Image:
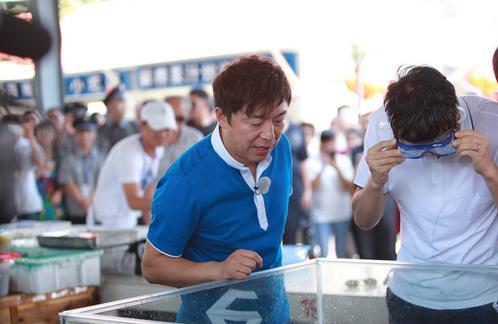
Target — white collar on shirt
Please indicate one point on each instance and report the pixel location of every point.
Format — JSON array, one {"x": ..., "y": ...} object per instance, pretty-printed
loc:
[{"x": 246, "y": 174}]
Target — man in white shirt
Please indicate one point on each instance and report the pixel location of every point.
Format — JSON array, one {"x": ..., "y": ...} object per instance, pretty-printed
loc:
[
  {"x": 125, "y": 185},
  {"x": 29, "y": 156},
  {"x": 437, "y": 156},
  {"x": 331, "y": 176}
]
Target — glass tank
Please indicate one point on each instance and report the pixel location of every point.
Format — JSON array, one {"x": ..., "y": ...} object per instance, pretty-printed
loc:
[{"x": 316, "y": 291}]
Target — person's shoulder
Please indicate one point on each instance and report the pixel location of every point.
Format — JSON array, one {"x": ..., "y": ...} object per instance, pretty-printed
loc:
[
  {"x": 479, "y": 104},
  {"x": 379, "y": 114},
  {"x": 192, "y": 133},
  {"x": 196, "y": 159},
  {"x": 130, "y": 141},
  {"x": 379, "y": 126},
  {"x": 128, "y": 146},
  {"x": 284, "y": 142},
  {"x": 282, "y": 149}
]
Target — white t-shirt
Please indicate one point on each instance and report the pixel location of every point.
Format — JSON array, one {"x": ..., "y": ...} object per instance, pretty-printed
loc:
[
  {"x": 330, "y": 202},
  {"x": 188, "y": 137},
  {"x": 127, "y": 162},
  {"x": 28, "y": 199},
  {"x": 447, "y": 215}
]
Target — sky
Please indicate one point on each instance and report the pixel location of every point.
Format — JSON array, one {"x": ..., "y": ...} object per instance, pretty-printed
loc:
[{"x": 460, "y": 33}]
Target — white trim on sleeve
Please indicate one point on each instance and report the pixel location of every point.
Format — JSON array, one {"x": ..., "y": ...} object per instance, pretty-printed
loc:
[{"x": 162, "y": 252}]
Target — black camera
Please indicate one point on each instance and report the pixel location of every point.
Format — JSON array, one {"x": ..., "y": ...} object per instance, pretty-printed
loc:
[{"x": 332, "y": 154}]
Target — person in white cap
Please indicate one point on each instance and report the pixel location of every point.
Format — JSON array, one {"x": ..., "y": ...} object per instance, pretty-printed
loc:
[{"x": 125, "y": 185}]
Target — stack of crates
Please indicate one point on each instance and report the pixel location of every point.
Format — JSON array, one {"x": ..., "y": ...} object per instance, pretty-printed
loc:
[{"x": 41, "y": 270}]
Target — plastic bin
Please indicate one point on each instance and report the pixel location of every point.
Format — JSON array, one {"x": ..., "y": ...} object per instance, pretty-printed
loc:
[
  {"x": 6, "y": 262},
  {"x": 41, "y": 270}
]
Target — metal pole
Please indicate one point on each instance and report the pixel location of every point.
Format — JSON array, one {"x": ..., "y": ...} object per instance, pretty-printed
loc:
[{"x": 48, "y": 79}]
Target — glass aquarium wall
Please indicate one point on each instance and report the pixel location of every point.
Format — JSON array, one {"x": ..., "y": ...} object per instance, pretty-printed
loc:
[{"x": 317, "y": 291}]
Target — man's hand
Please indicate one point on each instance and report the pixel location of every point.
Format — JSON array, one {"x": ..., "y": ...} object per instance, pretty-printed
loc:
[
  {"x": 381, "y": 158},
  {"x": 85, "y": 204},
  {"x": 306, "y": 199},
  {"x": 240, "y": 264},
  {"x": 475, "y": 145}
]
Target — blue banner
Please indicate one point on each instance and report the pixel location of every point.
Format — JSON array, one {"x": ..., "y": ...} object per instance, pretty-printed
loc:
[{"x": 191, "y": 73}]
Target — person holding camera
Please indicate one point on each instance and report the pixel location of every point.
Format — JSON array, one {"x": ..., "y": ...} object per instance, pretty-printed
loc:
[{"x": 331, "y": 176}]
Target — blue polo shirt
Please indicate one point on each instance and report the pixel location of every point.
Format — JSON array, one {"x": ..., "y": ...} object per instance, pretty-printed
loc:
[{"x": 204, "y": 209}]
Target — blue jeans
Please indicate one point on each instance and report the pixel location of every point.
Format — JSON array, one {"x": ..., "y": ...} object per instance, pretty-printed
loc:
[
  {"x": 403, "y": 312},
  {"x": 322, "y": 233}
]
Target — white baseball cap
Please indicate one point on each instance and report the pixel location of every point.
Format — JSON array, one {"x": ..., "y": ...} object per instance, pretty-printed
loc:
[{"x": 158, "y": 115}]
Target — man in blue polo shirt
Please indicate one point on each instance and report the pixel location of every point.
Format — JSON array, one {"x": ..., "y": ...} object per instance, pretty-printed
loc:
[{"x": 220, "y": 210}]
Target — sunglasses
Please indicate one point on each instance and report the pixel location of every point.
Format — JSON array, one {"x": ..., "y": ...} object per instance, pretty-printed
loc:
[{"x": 439, "y": 147}]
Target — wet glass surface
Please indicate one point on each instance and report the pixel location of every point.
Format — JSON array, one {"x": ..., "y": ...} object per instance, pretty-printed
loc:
[{"x": 320, "y": 291}]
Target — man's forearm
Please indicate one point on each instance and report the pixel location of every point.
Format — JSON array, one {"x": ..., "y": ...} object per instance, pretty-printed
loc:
[
  {"x": 139, "y": 203},
  {"x": 368, "y": 205},
  {"x": 177, "y": 272},
  {"x": 136, "y": 199},
  {"x": 75, "y": 193}
]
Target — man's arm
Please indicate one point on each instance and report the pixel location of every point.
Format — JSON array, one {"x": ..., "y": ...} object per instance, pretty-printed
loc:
[
  {"x": 306, "y": 198},
  {"x": 73, "y": 190},
  {"x": 180, "y": 272},
  {"x": 135, "y": 200},
  {"x": 368, "y": 205},
  {"x": 37, "y": 154},
  {"x": 369, "y": 202}
]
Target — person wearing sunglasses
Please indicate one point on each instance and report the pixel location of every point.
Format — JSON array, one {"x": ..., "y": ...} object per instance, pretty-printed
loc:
[{"x": 437, "y": 155}]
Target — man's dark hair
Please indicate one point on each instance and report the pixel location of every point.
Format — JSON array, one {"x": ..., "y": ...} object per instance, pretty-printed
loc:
[
  {"x": 326, "y": 136},
  {"x": 495, "y": 64},
  {"x": 250, "y": 83},
  {"x": 199, "y": 93},
  {"x": 44, "y": 125},
  {"x": 84, "y": 124},
  {"x": 421, "y": 105},
  {"x": 11, "y": 119},
  {"x": 116, "y": 93},
  {"x": 77, "y": 109}
]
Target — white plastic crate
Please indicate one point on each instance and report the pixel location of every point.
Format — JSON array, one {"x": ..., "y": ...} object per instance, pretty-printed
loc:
[{"x": 43, "y": 270}]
